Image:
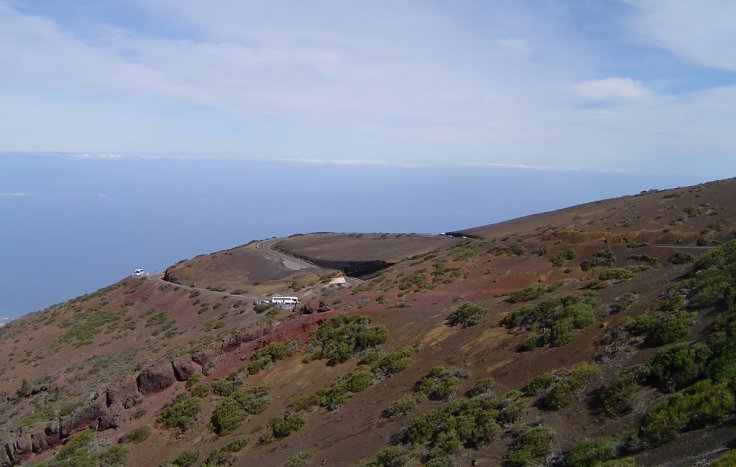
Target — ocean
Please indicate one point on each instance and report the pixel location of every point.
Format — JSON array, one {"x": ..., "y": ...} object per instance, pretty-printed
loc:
[{"x": 70, "y": 225}]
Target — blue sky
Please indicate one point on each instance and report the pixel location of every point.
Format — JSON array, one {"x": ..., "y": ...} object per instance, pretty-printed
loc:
[{"x": 632, "y": 86}]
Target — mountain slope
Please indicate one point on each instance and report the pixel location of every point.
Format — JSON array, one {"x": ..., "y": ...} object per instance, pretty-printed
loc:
[{"x": 548, "y": 329}]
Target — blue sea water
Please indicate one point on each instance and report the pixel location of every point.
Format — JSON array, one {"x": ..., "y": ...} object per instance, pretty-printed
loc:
[{"x": 71, "y": 225}]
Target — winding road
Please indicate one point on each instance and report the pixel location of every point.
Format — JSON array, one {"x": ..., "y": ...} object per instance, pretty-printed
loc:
[{"x": 292, "y": 262}]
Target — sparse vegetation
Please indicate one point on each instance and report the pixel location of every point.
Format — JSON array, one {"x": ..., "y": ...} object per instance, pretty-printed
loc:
[
  {"x": 559, "y": 258},
  {"x": 604, "y": 257},
  {"x": 554, "y": 319},
  {"x": 439, "y": 383},
  {"x": 533, "y": 292},
  {"x": 339, "y": 337},
  {"x": 559, "y": 388},
  {"x": 530, "y": 444},
  {"x": 136, "y": 436},
  {"x": 269, "y": 354},
  {"x": 466, "y": 315},
  {"x": 182, "y": 412}
]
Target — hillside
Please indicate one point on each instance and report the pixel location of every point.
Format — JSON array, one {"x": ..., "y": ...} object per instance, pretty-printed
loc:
[{"x": 599, "y": 334}]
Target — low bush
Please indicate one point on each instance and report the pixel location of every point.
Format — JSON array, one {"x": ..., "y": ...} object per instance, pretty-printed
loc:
[
  {"x": 227, "y": 416},
  {"x": 439, "y": 383},
  {"x": 401, "y": 406},
  {"x": 461, "y": 422},
  {"x": 339, "y": 337},
  {"x": 466, "y": 315},
  {"x": 604, "y": 257},
  {"x": 558, "y": 259},
  {"x": 530, "y": 444},
  {"x": 114, "y": 457},
  {"x": 616, "y": 274},
  {"x": 393, "y": 456},
  {"x": 680, "y": 258},
  {"x": 182, "y": 412},
  {"x": 269, "y": 354},
  {"x": 186, "y": 458},
  {"x": 284, "y": 425},
  {"x": 591, "y": 452},
  {"x": 226, "y": 455},
  {"x": 233, "y": 410},
  {"x": 620, "y": 395},
  {"x": 533, "y": 292},
  {"x": 678, "y": 366},
  {"x": 554, "y": 318},
  {"x": 561, "y": 387},
  {"x": 702, "y": 404},
  {"x": 136, "y": 436}
]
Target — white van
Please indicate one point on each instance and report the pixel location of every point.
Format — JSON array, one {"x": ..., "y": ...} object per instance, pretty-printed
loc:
[{"x": 138, "y": 272}]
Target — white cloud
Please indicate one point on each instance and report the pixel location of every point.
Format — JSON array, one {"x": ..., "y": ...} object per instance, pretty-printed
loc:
[
  {"x": 515, "y": 43},
  {"x": 15, "y": 195},
  {"x": 612, "y": 90},
  {"x": 702, "y": 31}
]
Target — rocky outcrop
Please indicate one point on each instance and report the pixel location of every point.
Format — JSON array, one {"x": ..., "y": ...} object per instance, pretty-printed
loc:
[
  {"x": 313, "y": 306},
  {"x": 184, "y": 369},
  {"x": 17, "y": 446},
  {"x": 123, "y": 395},
  {"x": 155, "y": 379}
]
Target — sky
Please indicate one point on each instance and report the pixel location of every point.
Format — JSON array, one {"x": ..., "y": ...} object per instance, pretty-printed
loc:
[{"x": 631, "y": 86}]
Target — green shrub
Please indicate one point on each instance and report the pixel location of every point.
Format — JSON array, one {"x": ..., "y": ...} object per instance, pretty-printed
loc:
[
  {"x": 678, "y": 366},
  {"x": 393, "y": 456},
  {"x": 623, "y": 302},
  {"x": 621, "y": 393},
  {"x": 227, "y": 416},
  {"x": 136, "y": 436},
  {"x": 615, "y": 274},
  {"x": 591, "y": 452},
  {"x": 555, "y": 319},
  {"x": 466, "y": 315},
  {"x": 518, "y": 249},
  {"x": 285, "y": 424},
  {"x": 468, "y": 422},
  {"x": 532, "y": 443},
  {"x": 226, "y": 455},
  {"x": 670, "y": 327},
  {"x": 182, "y": 412},
  {"x": 560, "y": 388},
  {"x": 339, "y": 337},
  {"x": 533, "y": 292},
  {"x": 115, "y": 456},
  {"x": 271, "y": 353},
  {"x": 680, "y": 258},
  {"x": 393, "y": 362},
  {"x": 186, "y": 458},
  {"x": 728, "y": 459},
  {"x": 401, "y": 406},
  {"x": 200, "y": 390},
  {"x": 482, "y": 386},
  {"x": 439, "y": 384},
  {"x": 698, "y": 406},
  {"x": 558, "y": 259},
  {"x": 604, "y": 257}
]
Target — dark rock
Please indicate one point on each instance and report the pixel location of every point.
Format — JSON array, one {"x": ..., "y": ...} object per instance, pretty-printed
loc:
[
  {"x": 155, "y": 379},
  {"x": 313, "y": 306},
  {"x": 184, "y": 369},
  {"x": 124, "y": 394}
]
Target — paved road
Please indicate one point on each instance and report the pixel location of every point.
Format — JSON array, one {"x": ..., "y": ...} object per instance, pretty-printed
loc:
[
  {"x": 159, "y": 277},
  {"x": 292, "y": 262}
]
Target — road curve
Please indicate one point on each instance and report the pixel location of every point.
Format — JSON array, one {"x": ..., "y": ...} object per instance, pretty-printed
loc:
[{"x": 292, "y": 262}]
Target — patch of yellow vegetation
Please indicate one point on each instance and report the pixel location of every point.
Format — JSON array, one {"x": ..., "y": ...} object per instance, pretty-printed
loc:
[
  {"x": 488, "y": 336},
  {"x": 437, "y": 335}
]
